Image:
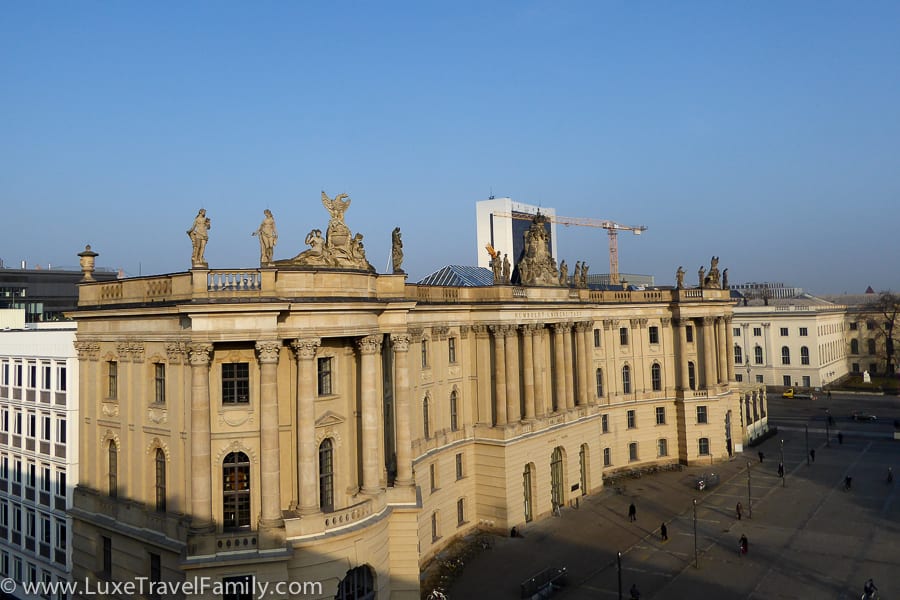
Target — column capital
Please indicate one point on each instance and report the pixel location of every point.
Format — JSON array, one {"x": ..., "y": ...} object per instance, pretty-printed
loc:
[
  {"x": 563, "y": 327},
  {"x": 268, "y": 351},
  {"x": 175, "y": 352},
  {"x": 728, "y": 319},
  {"x": 481, "y": 331},
  {"x": 199, "y": 353},
  {"x": 416, "y": 334},
  {"x": 635, "y": 323},
  {"x": 305, "y": 349},
  {"x": 708, "y": 321},
  {"x": 87, "y": 350},
  {"x": 610, "y": 324},
  {"x": 440, "y": 332},
  {"x": 583, "y": 326},
  {"x": 497, "y": 330},
  {"x": 510, "y": 330},
  {"x": 400, "y": 342},
  {"x": 371, "y": 344},
  {"x": 464, "y": 331},
  {"x": 665, "y": 321}
]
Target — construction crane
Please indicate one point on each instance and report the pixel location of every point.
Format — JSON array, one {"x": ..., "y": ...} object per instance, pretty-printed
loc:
[{"x": 612, "y": 228}]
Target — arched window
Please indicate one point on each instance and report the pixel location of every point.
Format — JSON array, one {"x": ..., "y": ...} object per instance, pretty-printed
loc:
[
  {"x": 426, "y": 418},
  {"x": 785, "y": 355},
  {"x": 854, "y": 346},
  {"x": 160, "y": 480},
  {"x": 738, "y": 355},
  {"x": 804, "y": 355},
  {"x": 113, "y": 455},
  {"x": 871, "y": 344},
  {"x": 656, "y": 377},
  {"x": 357, "y": 584},
  {"x": 626, "y": 379},
  {"x": 326, "y": 475},
  {"x": 236, "y": 490},
  {"x": 758, "y": 357},
  {"x": 454, "y": 419},
  {"x": 692, "y": 375},
  {"x": 599, "y": 383}
]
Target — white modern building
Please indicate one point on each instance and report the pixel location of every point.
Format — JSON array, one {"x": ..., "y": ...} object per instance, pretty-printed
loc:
[
  {"x": 38, "y": 451},
  {"x": 502, "y": 223}
]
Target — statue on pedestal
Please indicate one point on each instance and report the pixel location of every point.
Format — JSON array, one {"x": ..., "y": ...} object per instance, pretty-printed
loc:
[
  {"x": 199, "y": 234},
  {"x": 397, "y": 252},
  {"x": 268, "y": 237}
]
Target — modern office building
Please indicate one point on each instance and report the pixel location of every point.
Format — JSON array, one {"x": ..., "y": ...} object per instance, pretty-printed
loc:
[
  {"x": 38, "y": 452},
  {"x": 44, "y": 294},
  {"x": 317, "y": 422},
  {"x": 502, "y": 223}
]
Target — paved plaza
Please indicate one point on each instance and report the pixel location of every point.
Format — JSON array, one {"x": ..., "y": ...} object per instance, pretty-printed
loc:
[{"x": 808, "y": 537}]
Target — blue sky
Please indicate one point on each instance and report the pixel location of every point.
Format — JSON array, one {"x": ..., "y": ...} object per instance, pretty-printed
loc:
[{"x": 767, "y": 133}]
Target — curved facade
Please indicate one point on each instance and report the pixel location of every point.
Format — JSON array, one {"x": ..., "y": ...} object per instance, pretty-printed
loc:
[{"x": 319, "y": 426}]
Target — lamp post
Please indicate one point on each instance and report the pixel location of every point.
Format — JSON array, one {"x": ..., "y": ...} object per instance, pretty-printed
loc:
[
  {"x": 619, "y": 568},
  {"x": 749, "y": 495},
  {"x": 806, "y": 429},
  {"x": 783, "y": 473},
  {"x": 696, "y": 561}
]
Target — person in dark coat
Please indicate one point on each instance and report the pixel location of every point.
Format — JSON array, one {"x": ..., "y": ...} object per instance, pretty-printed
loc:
[
  {"x": 632, "y": 513},
  {"x": 663, "y": 532}
]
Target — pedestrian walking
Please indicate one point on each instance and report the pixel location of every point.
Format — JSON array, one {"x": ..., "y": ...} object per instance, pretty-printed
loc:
[
  {"x": 742, "y": 544},
  {"x": 781, "y": 469},
  {"x": 812, "y": 454},
  {"x": 739, "y": 510},
  {"x": 761, "y": 456},
  {"x": 635, "y": 592},
  {"x": 663, "y": 532},
  {"x": 632, "y": 512},
  {"x": 840, "y": 438}
]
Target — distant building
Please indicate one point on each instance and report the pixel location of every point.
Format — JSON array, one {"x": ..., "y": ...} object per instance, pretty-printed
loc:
[
  {"x": 44, "y": 294},
  {"x": 38, "y": 452},
  {"x": 629, "y": 279},
  {"x": 766, "y": 290},
  {"x": 495, "y": 226}
]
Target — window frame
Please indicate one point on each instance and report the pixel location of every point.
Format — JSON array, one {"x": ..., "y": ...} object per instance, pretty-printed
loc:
[
  {"x": 653, "y": 333},
  {"x": 235, "y": 380},
  {"x": 702, "y": 415}
]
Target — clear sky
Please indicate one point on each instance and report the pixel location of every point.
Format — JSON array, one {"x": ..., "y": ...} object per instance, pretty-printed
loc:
[{"x": 767, "y": 133}]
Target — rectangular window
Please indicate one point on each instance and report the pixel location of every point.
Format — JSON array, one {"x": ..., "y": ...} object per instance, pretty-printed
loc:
[
  {"x": 106, "y": 565},
  {"x": 757, "y": 332},
  {"x": 434, "y": 527},
  {"x": 60, "y": 430},
  {"x": 46, "y": 482},
  {"x": 662, "y": 447},
  {"x": 784, "y": 331},
  {"x": 18, "y": 375},
  {"x": 432, "y": 476},
  {"x": 324, "y": 367},
  {"x": 459, "y": 466},
  {"x": 61, "y": 484},
  {"x": 155, "y": 570},
  {"x": 870, "y": 324},
  {"x": 701, "y": 414},
  {"x": 786, "y": 380},
  {"x": 112, "y": 380},
  {"x": 607, "y": 457},
  {"x": 759, "y": 379},
  {"x": 660, "y": 415},
  {"x": 61, "y": 535},
  {"x": 460, "y": 512},
  {"x": 32, "y": 425},
  {"x": 803, "y": 332},
  {"x": 235, "y": 383},
  {"x": 61, "y": 378},
  {"x": 424, "y": 354},
  {"x": 596, "y": 338},
  {"x": 46, "y": 372},
  {"x": 806, "y": 381},
  {"x": 45, "y": 427},
  {"x": 632, "y": 451},
  {"x": 451, "y": 350},
  {"x": 31, "y": 475},
  {"x": 159, "y": 380},
  {"x": 4, "y": 379},
  {"x": 623, "y": 336},
  {"x": 45, "y": 529},
  {"x": 854, "y": 326},
  {"x": 32, "y": 375},
  {"x": 703, "y": 446},
  {"x": 855, "y": 367},
  {"x": 631, "y": 419},
  {"x": 654, "y": 335},
  {"x": 737, "y": 332},
  {"x": 604, "y": 423},
  {"x": 689, "y": 333},
  {"x": 738, "y": 377}
]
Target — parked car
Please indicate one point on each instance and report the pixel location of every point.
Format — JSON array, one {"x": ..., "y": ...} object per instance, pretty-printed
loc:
[
  {"x": 792, "y": 393},
  {"x": 706, "y": 481},
  {"x": 864, "y": 416}
]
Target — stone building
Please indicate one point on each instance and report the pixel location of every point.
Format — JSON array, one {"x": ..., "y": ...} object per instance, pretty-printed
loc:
[{"x": 319, "y": 423}]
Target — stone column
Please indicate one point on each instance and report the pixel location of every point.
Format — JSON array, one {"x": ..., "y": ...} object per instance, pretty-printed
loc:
[
  {"x": 540, "y": 369},
  {"x": 201, "y": 452},
  {"x": 582, "y": 362},
  {"x": 270, "y": 453},
  {"x": 370, "y": 349},
  {"x": 483, "y": 373},
  {"x": 590, "y": 379},
  {"x": 400, "y": 344},
  {"x": 723, "y": 361},
  {"x": 559, "y": 364},
  {"x": 709, "y": 357},
  {"x": 305, "y": 351},
  {"x": 729, "y": 345},
  {"x": 528, "y": 369},
  {"x": 499, "y": 374},
  {"x": 569, "y": 368},
  {"x": 513, "y": 399}
]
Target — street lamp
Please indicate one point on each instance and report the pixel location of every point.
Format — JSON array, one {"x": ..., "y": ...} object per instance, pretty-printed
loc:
[
  {"x": 749, "y": 495},
  {"x": 619, "y": 568},
  {"x": 783, "y": 474},
  {"x": 696, "y": 562},
  {"x": 806, "y": 429}
]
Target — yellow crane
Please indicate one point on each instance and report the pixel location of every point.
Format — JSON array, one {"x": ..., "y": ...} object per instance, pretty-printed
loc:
[{"x": 612, "y": 228}]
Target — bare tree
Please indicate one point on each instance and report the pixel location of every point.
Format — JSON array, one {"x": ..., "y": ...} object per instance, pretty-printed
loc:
[{"x": 887, "y": 311}]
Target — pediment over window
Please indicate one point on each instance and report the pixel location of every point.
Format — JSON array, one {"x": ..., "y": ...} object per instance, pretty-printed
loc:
[{"x": 329, "y": 419}]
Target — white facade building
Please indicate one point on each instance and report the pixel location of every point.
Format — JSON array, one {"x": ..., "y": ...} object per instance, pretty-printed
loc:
[
  {"x": 495, "y": 226},
  {"x": 38, "y": 452}
]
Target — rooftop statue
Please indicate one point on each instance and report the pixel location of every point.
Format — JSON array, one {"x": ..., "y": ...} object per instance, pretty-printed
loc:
[
  {"x": 397, "y": 252},
  {"x": 199, "y": 234},
  {"x": 538, "y": 267},
  {"x": 584, "y": 272},
  {"x": 679, "y": 278},
  {"x": 712, "y": 278},
  {"x": 268, "y": 237},
  {"x": 338, "y": 249}
]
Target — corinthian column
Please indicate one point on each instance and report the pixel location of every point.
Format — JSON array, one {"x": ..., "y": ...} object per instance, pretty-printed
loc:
[
  {"x": 201, "y": 459},
  {"x": 270, "y": 454},
  {"x": 709, "y": 357},
  {"x": 729, "y": 346},
  {"x": 305, "y": 350},
  {"x": 499, "y": 374},
  {"x": 682, "y": 324},
  {"x": 528, "y": 369},
  {"x": 513, "y": 401},
  {"x": 723, "y": 350},
  {"x": 559, "y": 365},
  {"x": 400, "y": 344},
  {"x": 569, "y": 371},
  {"x": 370, "y": 349},
  {"x": 582, "y": 360},
  {"x": 540, "y": 396}
]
